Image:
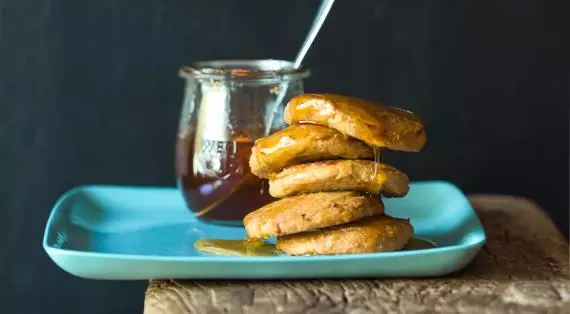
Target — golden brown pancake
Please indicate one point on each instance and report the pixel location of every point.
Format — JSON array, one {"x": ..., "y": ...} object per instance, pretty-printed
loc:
[
  {"x": 339, "y": 175},
  {"x": 377, "y": 125},
  {"x": 309, "y": 212},
  {"x": 373, "y": 234},
  {"x": 301, "y": 143}
]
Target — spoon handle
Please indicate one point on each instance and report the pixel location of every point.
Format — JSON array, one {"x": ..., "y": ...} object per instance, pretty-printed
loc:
[{"x": 317, "y": 23}]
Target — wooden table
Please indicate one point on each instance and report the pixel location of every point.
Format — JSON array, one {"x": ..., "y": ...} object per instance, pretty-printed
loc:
[{"x": 523, "y": 268}]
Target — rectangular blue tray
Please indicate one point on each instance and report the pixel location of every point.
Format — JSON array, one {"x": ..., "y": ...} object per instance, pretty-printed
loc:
[{"x": 112, "y": 232}]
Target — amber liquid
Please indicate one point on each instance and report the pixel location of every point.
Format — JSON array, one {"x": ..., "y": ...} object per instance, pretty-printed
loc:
[
  {"x": 260, "y": 248},
  {"x": 216, "y": 181},
  {"x": 236, "y": 247}
]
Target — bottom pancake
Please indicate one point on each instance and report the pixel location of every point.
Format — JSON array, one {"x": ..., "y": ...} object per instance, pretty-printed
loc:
[{"x": 373, "y": 234}]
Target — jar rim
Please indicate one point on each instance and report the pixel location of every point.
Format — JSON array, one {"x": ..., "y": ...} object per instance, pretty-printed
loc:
[{"x": 243, "y": 69}]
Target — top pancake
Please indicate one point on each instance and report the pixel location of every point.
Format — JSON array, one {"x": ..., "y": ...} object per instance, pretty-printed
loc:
[
  {"x": 302, "y": 143},
  {"x": 376, "y": 125}
]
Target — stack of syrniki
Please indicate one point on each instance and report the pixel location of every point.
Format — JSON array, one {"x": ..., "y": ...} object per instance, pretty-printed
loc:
[{"x": 326, "y": 166}]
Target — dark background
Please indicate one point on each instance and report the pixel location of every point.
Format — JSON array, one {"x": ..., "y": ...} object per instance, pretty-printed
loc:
[{"x": 89, "y": 94}]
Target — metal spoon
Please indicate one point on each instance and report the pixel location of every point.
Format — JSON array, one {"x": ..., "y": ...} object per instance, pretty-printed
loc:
[{"x": 317, "y": 23}]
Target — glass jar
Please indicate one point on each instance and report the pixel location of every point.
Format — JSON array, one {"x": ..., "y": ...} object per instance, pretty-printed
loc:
[{"x": 228, "y": 104}]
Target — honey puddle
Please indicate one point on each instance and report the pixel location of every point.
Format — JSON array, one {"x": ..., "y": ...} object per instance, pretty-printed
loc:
[
  {"x": 261, "y": 248},
  {"x": 236, "y": 247},
  {"x": 419, "y": 244}
]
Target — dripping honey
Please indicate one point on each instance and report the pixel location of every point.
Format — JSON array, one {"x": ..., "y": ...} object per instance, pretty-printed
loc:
[
  {"x": 261, "y": 248},
  {"x": 236, "y": 247},
  {"x": 377, "y": 159}
]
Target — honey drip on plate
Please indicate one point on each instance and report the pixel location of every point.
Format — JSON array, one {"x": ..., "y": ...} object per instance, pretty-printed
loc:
[
  {"x": 377, "y": 159},
  {"x": 261, "y": 248},
  {"x": 419, "y": 244},
  {"x": 236, "y": 247}
]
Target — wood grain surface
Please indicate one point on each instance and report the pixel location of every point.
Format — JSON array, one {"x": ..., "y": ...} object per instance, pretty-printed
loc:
[{"x": 523, "y": 268}]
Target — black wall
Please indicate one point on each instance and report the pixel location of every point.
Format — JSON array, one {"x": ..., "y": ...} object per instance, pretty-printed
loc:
[{"x": 89, "y": 94}]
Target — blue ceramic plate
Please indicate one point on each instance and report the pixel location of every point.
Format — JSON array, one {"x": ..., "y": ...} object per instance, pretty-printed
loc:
[{"x": 107, "y": 232}]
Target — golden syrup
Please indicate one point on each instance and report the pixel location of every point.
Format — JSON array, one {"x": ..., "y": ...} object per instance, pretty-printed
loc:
[
  {"x": 249, "y": 248},
  {"x": 419, "y": 244},
  {"x": 377, "y": 160},
  {"x": 236, "y": 247},
  {"x": 216, "y": 177}
]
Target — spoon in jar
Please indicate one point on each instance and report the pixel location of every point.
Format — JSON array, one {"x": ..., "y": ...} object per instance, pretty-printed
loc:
[{"x": 317, "y": 23}]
